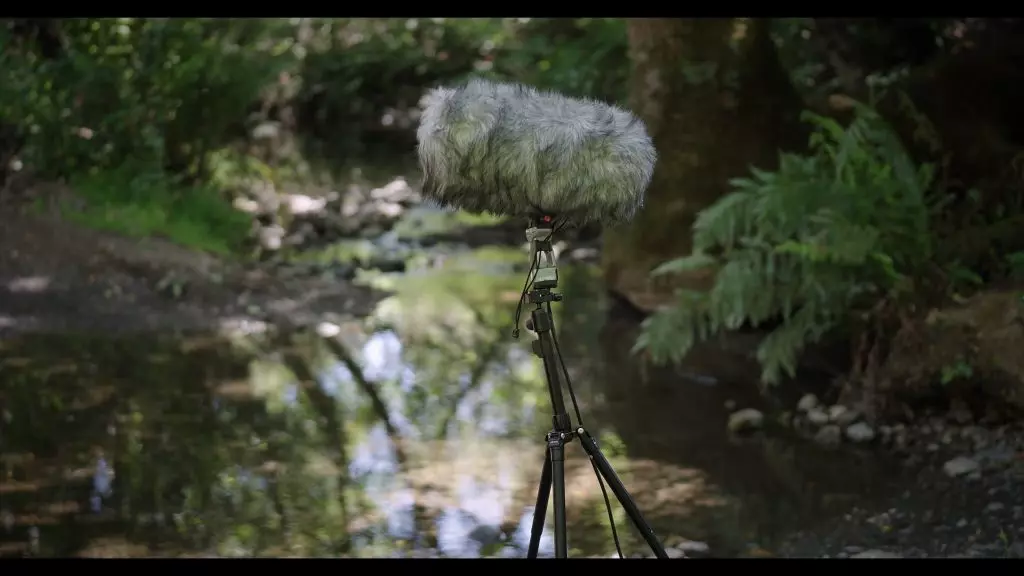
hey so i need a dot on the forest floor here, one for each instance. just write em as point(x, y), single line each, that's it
point(966, 499)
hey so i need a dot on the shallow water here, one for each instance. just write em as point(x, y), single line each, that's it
point(418, 431)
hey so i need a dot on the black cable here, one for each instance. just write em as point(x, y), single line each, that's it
point(522, 296)
point(579, 418)
point(530, 274)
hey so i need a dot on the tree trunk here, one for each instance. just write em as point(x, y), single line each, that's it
point(716, 101)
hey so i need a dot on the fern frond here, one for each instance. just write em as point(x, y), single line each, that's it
point(803, 243)
point(695, 261)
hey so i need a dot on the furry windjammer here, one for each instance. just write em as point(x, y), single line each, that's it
point(512, 150)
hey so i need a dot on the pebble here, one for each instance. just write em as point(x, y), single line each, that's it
point(745, 420)
point(875, 554)
point(835, 412)
point(960, 466)
point(994, 507)
point(807, 403)
point(694, 548)
point(829, 435)
point(860, 432)
point(817, 417)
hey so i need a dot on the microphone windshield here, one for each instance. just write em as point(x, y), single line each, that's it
point(513, 150)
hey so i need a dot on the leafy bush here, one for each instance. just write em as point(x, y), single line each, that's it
point(368, 65)
point(167, 90)
point(818, 240)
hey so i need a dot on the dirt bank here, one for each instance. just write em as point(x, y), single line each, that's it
point(57, 276)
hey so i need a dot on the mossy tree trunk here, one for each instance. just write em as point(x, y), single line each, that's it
point(716, 101)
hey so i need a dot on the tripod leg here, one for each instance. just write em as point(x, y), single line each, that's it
point(605, 468)
point(556, 447)
point(540, 511)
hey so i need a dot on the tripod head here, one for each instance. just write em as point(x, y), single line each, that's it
point(539, 235)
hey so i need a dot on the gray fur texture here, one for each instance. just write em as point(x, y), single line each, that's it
point(512, 150)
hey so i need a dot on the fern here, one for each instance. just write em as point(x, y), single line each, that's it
point(805, 244)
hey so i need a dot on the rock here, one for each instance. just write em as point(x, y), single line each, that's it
point(817, 417)
point(246, 205)
point(829, 435)
point(836, 411)
point(842, 415)
point(270, 237)
point(693, 548)
point(745, 420)
point(960, 466)
point(994, 507)
point(983, 334)
point(807, 403)
point(266, 131)
point(873, 553)
point(860, 432)
point(397, 191)
point(389, 210)
point(300, 204)
point(675, 553)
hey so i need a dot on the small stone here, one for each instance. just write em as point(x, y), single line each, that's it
point(830, 435)
point(994, 507)
point(694, 548)
point(860, 432)
point(961, 523)
point(745, 420)
point(675, 553)
point(875, 554)
point(807, 402)
point(817, 417)
point(843, 417)
point(959, 466)
point(836, 411)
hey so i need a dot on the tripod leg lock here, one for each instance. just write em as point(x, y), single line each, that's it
point(557, 440)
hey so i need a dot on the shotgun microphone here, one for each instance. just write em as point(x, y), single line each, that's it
point(513, 150)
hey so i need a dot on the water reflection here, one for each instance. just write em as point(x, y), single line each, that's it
point(415, 432)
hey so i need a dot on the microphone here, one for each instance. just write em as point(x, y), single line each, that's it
point(513, 150)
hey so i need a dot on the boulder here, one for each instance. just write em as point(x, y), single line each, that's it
point(978, 344)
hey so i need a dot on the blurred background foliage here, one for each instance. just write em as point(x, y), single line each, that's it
point(156, 122)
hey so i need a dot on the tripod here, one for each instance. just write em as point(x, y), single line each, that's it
point(552, 477)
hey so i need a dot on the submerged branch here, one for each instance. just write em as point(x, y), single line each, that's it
point(370, 389)
point(326, 408)
point(476, 378)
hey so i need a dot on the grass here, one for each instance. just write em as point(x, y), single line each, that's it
point(146, 203)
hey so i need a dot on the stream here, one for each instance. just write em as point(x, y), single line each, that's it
point(417, 431)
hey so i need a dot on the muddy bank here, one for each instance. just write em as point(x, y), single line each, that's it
point(56, 276)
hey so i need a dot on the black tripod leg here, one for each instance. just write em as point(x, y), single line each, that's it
point(540, 511)
point(605, 468)
point(556, 447)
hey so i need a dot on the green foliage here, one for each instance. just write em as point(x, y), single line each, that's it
point(819, 239)
point(369, 65)
point(130, 113)
point(161, 90)
point(138, 202)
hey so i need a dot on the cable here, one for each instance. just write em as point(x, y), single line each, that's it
point(522, 296)
point(530, 274)
point(579, 418)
